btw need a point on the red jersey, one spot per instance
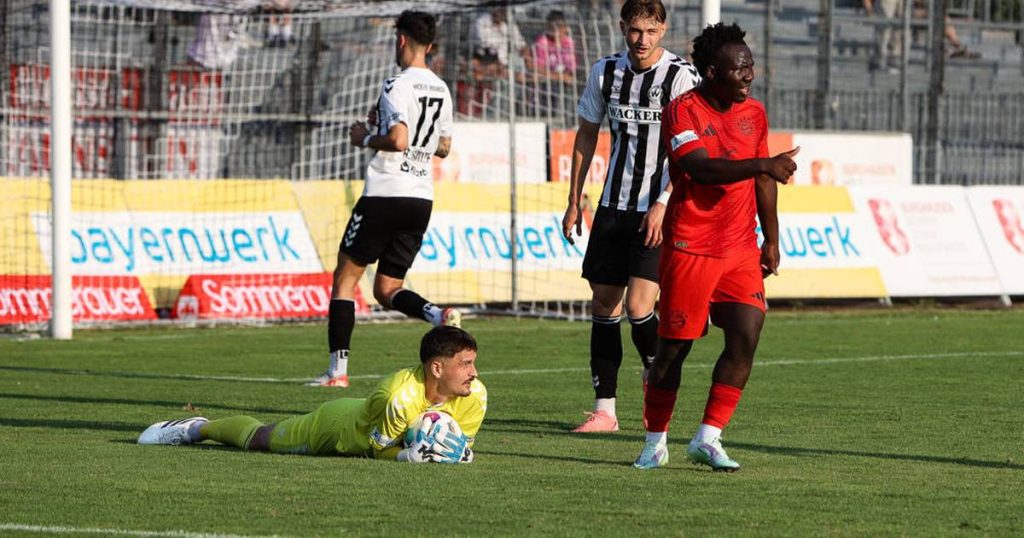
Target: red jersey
(712, 220)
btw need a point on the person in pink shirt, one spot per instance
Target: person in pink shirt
(554, 52)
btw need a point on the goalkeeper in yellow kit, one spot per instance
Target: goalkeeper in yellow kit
(372, 427)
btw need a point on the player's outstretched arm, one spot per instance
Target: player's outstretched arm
(766, 191)
(704, 169)
(582, 153)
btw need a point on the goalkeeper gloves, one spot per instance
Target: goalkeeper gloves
(441, 447)
(450, 448)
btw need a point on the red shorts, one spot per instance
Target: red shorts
(691, 283)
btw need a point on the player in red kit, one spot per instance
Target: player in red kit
(722, 179)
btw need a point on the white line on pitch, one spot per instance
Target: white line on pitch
(524, 371)
(119, 532)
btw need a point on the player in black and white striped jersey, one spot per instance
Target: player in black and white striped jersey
(628, 88)
(412, 123)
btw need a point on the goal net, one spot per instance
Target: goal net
(212, 171)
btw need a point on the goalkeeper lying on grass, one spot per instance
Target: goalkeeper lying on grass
(372, 427)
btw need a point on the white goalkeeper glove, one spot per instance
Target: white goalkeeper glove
(450, 447)
(437, 445)
(421, 449)
(417, 453)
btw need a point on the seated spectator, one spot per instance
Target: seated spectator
(890, 41)
(957, 48)
(554, 52)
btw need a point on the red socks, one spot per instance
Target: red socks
(722, 401)
(658, 406)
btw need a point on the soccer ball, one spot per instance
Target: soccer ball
(431, 426)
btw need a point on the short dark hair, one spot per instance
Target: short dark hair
(711, 40)
(445, 341)
(420, 26)
(643, 9)
(556, 16)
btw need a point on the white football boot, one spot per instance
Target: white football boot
(710, 452)
(169, 432)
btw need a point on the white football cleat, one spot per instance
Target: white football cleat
(169, 432)
(325, 379)
(710, 452)
(653, 455)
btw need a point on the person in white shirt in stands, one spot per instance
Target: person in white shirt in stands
(490, 37)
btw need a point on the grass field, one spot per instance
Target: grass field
(854, 423)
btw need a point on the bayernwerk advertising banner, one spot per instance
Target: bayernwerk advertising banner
(823, 247)
(925, 241)
(999, 213)
(163, 231)
(118, 242)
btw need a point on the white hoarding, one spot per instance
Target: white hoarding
(925, 241)
(480, 153)
(845, 159)
(999, 212)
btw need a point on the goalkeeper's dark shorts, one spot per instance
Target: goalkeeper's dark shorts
(386, 229)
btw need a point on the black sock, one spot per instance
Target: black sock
(645, 337)
(341, 319)
(411, 304)
(605, 354)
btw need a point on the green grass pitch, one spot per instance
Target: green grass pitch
(904, 422)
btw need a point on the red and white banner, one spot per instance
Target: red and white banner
(97, 92)
(94, 89)
(263, 296)
(27, 146)
(925, 241)
(26, 299)
(192, 151)
(195, 97)
(999, 212)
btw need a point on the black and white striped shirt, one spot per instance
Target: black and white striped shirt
(632, 102)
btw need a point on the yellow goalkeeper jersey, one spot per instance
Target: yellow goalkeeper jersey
(381, 421)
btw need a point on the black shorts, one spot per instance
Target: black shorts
(388, 229)
(616, 249)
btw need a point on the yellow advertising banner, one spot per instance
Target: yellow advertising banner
(164, 231)
(824, 247)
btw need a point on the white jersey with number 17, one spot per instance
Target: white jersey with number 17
(421, 100)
